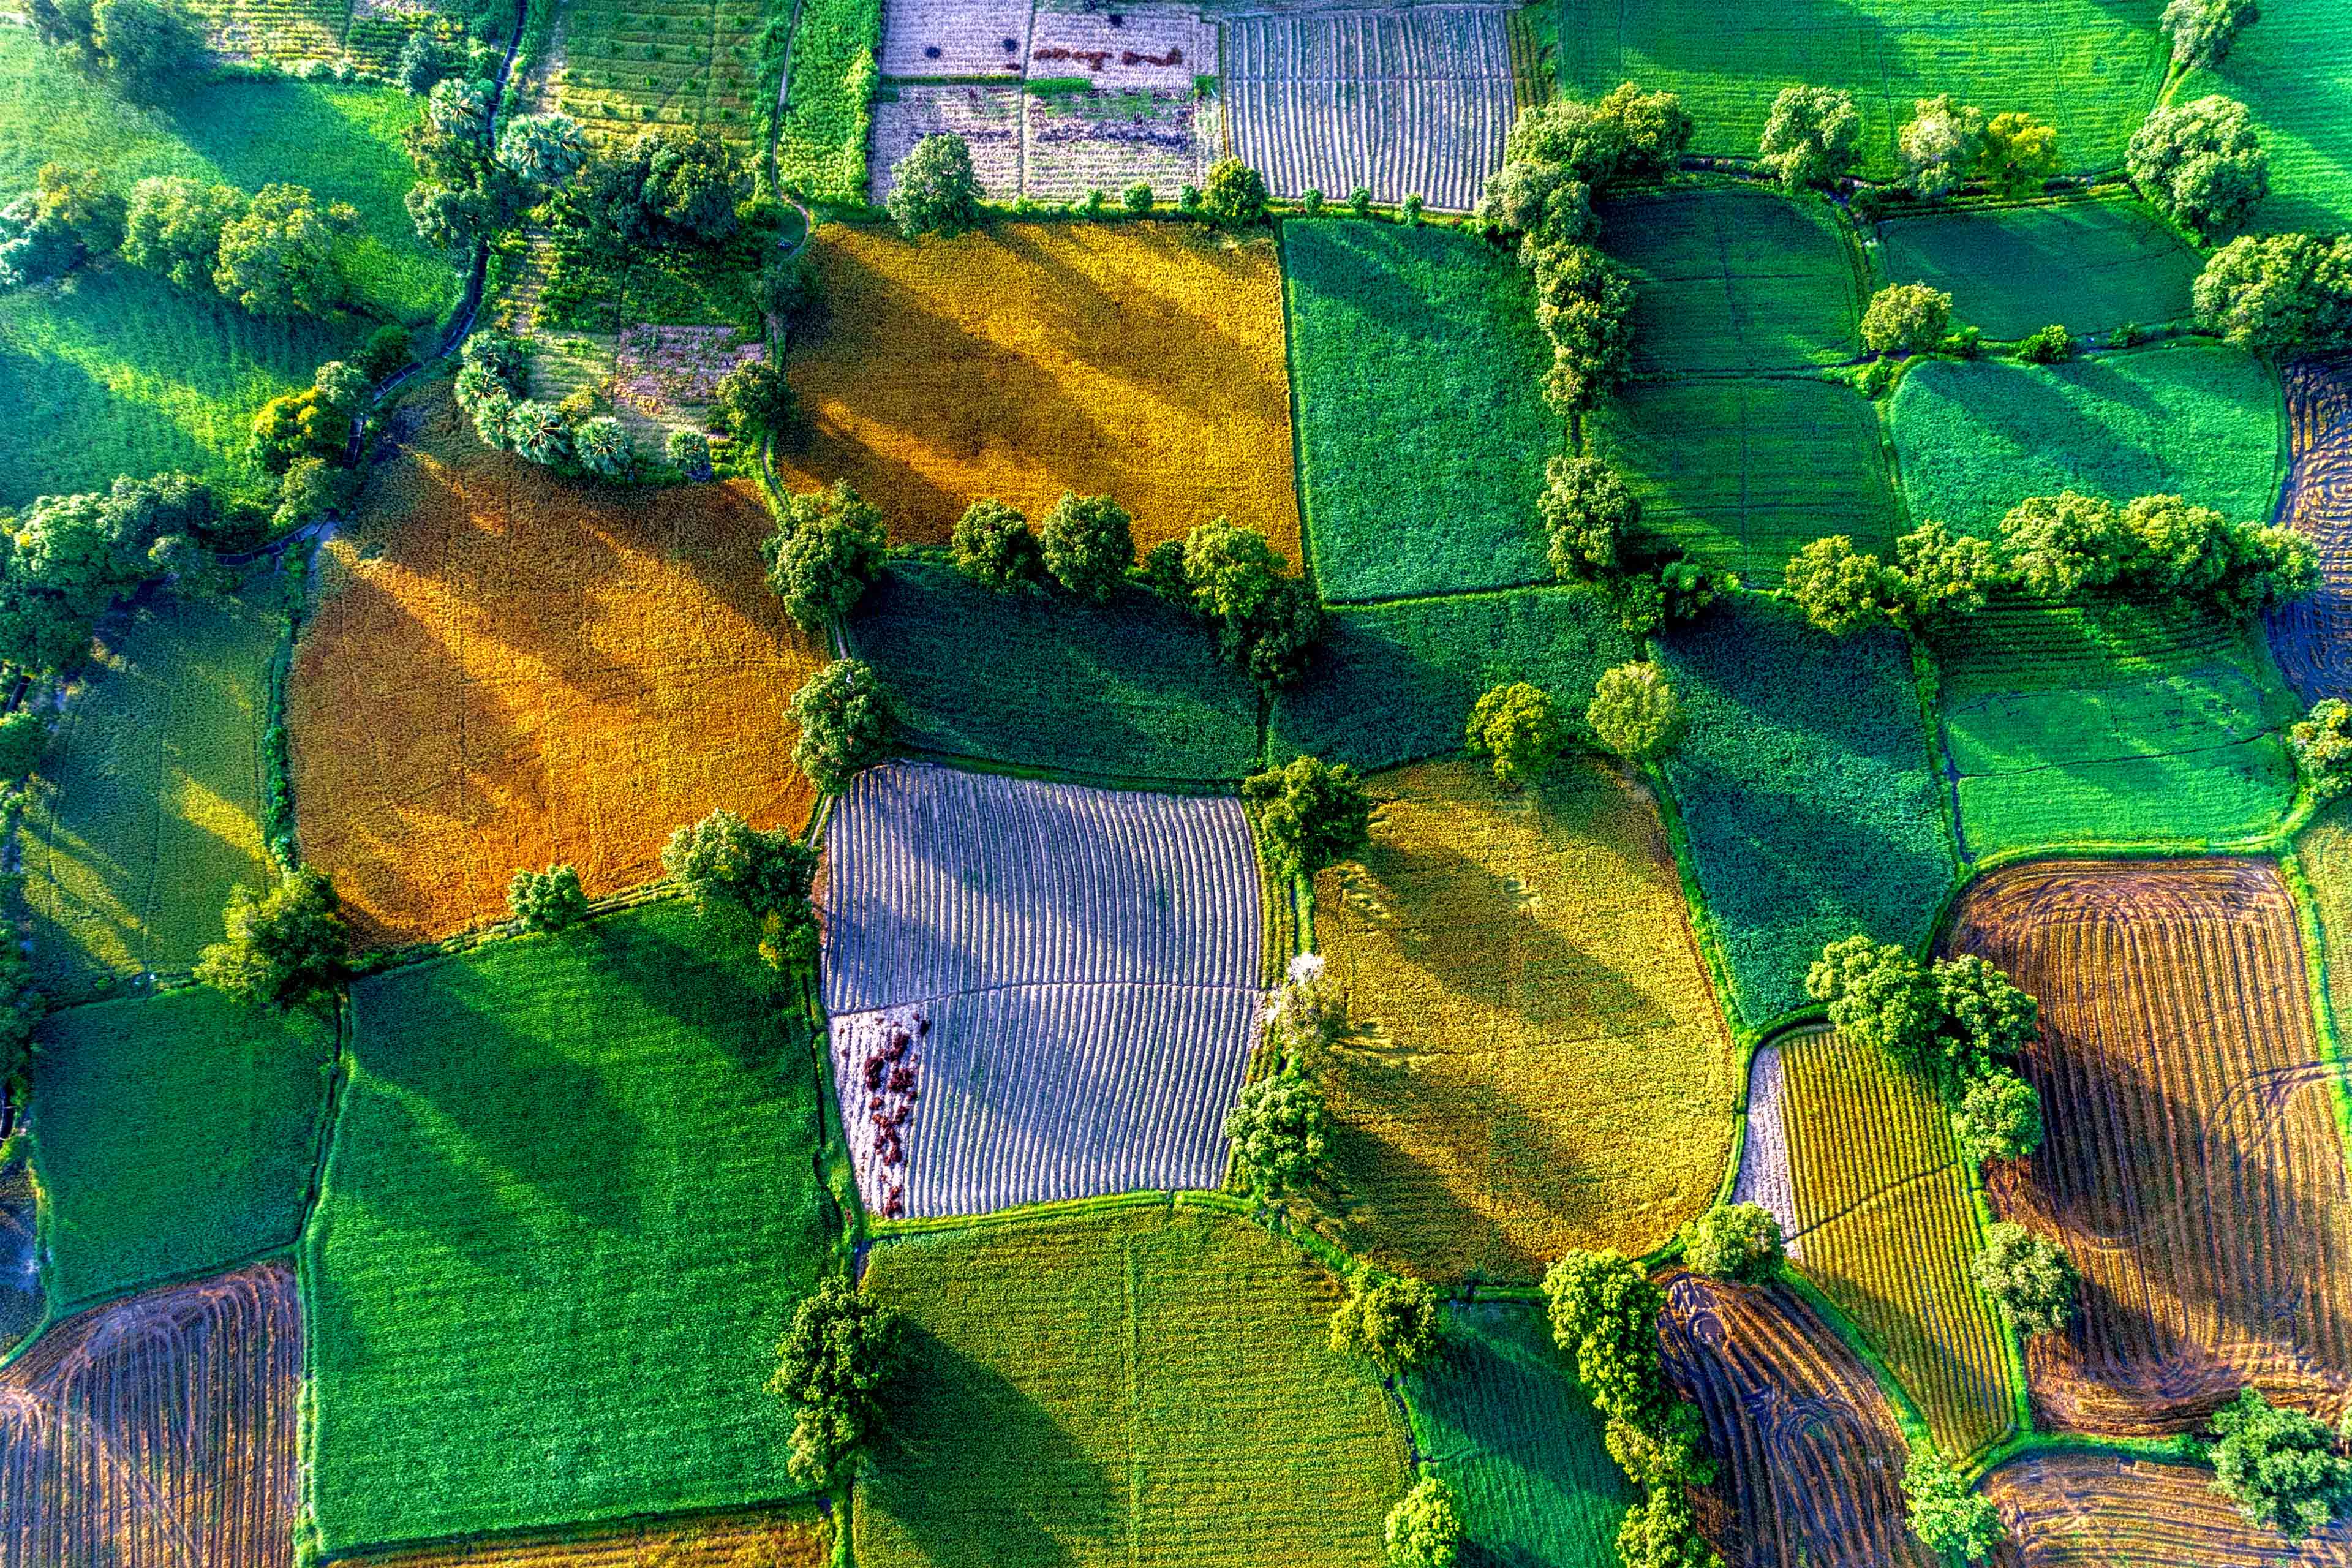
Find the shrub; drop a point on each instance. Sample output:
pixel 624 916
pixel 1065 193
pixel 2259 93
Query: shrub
pixel 2000 1117
pixel 1811 136
pixel 993 547
pixel 1943 1514
pixel 1088 543
pixel 1635 712
pixel 2322 744
pixel 934 190
pixel 1906 318
pixel 756 402
pixel 1841 590
pixel 2029 1276
pixel 844 714
pixel 2279 294
pixel 1518 727
pixel 1136 198
pixel 283 948
pixel 1310 814
pixel 1589 514
pixel 1940 145
pixel 22 738
pixel 1276 1129
pixel 2279 1466
pixel 1424 1529
pixel 2020 154
pixel 2200 162
pixel 2054 344
pixel 1392 1324
pixel 1734 1241
pixel 549 901
pixel 2203 30
pixel 1235 193
pixel 842 1348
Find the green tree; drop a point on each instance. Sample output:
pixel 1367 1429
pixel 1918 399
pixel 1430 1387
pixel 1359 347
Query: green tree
pixel 1234 193
pixel 283 948
pixel 1998 1117
pixel 1424 1529
pixel 2200 162
pixel 1276 1129
pixel 1635 712
pixel 2029 1276
pixel 549 901
pixel 1392 1323
pixel 2020 154
pixel 1589 513
pixel 1812 137
pixel 1943 1514
pixel 2279 294
pixel 279 257
pixel 826 548
pixel 1734 1241
pixel 993 547
pixel 840 1353
pixel 1088 543
pixel 151 49
pixel 1841 590
pixel 1517 726
pixel 933 189
pixel 2203 30
pixel 1906 318
pixel 2279 1466
pixel 2322 743
pixel 756 402
pixel 844 714
pixel 1940 145
pixel 1310 814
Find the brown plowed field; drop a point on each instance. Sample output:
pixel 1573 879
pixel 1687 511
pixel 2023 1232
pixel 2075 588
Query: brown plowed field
pixel 1810 1457
pixel 2097 1510
pixel 158 1432
pixel 798 1539
pixel 505 669
pixel 2193 1166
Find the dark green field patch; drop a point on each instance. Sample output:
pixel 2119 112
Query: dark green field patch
pixel 1735 278
pixel 1422 433
pixel 2091 266
pixel 1744 473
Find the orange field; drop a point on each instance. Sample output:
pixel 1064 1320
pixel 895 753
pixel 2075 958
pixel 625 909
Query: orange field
pixel 799 1539
pixel 158 1432
pixel 2098 1510
pixel 2192 1165
pixel 1140 361
pixel 506 669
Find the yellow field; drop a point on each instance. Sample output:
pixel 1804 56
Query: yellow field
pixel 1546 1066
pixel 1140 361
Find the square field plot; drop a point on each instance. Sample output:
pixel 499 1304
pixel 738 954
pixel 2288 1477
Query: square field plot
pixel 2295 73
pixel 1038 991
pixel 510 669
pixel 1743 474
pixel 2115 724
pixel 1422 432
pixel 1401 102
pixel 1736 278
pixel 1143 360
pixel 2090 266
pixel 1151 1384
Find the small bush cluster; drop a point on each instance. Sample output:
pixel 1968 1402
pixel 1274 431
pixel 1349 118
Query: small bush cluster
pixel 493 390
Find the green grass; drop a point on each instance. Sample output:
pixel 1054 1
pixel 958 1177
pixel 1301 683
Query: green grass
pixel 821 143
pixel 1500 1417
pixel 2090 265
pixel 146 807
pixel 171 1137
pixel 2293 71
pixel 1394 683
pixel 572 1201
pixel 2194 419
pixel 1415 360
pixel 1805 786
pixel 2091 68
pixel 1744 473
pixel 1736 278
pixel 1143 1384
pixel 1133 689
pixel 2119 723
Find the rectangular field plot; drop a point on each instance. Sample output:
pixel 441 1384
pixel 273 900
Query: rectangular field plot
pixel 1143 360
pixel 508 668
pixel 2192 1164
pixel 1888 1231
pixel 1808 1457
pixel 629 65
pixel 1499 1416
pixel 2091 266
pixel 1038 991
pixel 147 805
pixel 1744 473
pixel 1544 1065
pixel 2313 638
pixel 158 1432
pixel 1806 792
pixel 573 1200
pixel 2295 72
pixel 1156 1387
pixel 2116 723
pixel 1736 278
pixel 172 1136
pixel 2090 69
pixel 2105 1510
pixel 1403 103
pixel 1421 434
pixel 2200 420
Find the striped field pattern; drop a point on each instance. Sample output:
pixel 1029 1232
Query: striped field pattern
pixel 1412 102
pixel 1074 972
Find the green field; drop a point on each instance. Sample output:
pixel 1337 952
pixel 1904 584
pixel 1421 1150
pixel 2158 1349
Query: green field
pixel 1736 278
pixel 171 1137
pixel 1744 473
pixel 2090 265
pixel 1805 786
pixel 2194 419
pixel 1415 360
pixel 572 1202
pixel 1394 683
pixel 2091 69
pixel 2119 723
pixel 2293 69
pixel 146 808
pixel 1133 689
pixel 1146 1384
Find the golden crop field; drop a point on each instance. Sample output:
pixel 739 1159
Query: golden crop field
pixel 506 669
pixel 1545 1065
pixel 1143 361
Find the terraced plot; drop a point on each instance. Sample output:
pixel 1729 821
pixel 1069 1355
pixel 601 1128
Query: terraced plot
pixel 2192 1166
pixel 2295 72
pixel 1888 1230
pixel 1545 1066
pixel 795 1538
pixel 2313 638
pixel 1809 1458
pixel 1736 278
pixel 1038 991
pixel 1156 1386
pixel 2101 1510
pixel 630 65
pixel 2121 724
pixel 158 1432
pixel 2089 266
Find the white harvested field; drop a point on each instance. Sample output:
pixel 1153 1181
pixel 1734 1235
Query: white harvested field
pixel 988 118
pixel 1038 991
pixel 1411 102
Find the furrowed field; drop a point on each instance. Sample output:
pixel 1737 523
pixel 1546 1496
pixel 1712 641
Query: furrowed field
pixel 2089 266
pixel 1545 1066
pixel 2101 1510
pixel 1156 1388
pixel 1140 361
pixel 2312 640
pixel 2295 73
pixel 1735 278
pixel 490 1281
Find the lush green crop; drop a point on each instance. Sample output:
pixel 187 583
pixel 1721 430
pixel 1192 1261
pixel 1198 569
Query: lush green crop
pixel 821 144
pixel 1422 432
pixel 572 1202
pixel 171 1137
pixel 1736 278
pixel 2091 266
